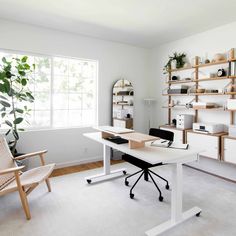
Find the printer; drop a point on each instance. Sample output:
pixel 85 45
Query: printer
pixel 211 128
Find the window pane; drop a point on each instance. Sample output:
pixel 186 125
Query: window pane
pixel 60 66
pixel 75 117
pixel 60 118
pixel 88 117
pixel 41 119
pixel 75 101
pixel 60 83
pixel 60 101
pixel 42 101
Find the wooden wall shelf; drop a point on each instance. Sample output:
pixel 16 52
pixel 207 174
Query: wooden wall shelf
pixel 201 80
pixel 201 94
pixel 212 64
pixel 197 80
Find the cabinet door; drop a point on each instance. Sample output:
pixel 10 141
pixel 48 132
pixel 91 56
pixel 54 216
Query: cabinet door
pixel 178 135
pixel 207 142
pixel 119 123
pixel 230 150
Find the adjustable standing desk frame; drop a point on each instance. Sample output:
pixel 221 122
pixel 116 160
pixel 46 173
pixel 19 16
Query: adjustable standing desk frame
pixel 153 155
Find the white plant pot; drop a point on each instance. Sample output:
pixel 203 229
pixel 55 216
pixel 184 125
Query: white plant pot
pixel 173 64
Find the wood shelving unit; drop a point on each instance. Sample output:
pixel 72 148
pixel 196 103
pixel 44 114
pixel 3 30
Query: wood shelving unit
pixel 196 81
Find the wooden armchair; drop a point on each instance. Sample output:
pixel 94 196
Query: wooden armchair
pixel 13 179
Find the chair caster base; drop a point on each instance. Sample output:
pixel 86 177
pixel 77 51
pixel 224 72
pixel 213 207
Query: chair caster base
pixel 161 198
pixel 126 183
pixel 198 214
pixel 167 186
pixel 89 181
pixel 124 172
pixel 131 195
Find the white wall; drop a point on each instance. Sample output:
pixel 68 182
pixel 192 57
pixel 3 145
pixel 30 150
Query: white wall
pixel 115 60
pixel 208 43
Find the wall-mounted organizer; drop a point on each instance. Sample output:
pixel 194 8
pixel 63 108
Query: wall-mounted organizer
pixel 193 91
pixel 123 104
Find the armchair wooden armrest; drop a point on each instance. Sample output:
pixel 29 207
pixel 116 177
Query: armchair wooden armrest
pixel 10 170
pixel 32 154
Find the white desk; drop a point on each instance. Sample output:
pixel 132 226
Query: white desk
pixel 153 155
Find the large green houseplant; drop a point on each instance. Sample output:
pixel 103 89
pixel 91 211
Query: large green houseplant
pixel 15 96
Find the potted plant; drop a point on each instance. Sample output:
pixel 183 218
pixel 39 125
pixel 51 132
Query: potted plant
pixel 15 96
pixel 178 58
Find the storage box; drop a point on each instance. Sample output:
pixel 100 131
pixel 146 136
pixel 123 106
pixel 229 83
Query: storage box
pixel 184 121
pixel 231 104
pixel 121 114
pixel 177 91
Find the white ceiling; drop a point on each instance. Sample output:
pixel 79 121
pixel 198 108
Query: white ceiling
pixel 143 23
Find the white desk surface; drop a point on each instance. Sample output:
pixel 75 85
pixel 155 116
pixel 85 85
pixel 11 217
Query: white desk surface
pixel 151 154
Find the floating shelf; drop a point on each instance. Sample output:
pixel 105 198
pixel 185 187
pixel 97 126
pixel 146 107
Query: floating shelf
pixel 196 109
pixel 180 69
pixel 200 94
pixel 200 80
pixel 211 64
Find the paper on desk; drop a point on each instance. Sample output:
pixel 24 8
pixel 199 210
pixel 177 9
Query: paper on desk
pixel 166 144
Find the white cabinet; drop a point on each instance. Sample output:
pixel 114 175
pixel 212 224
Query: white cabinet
pixel 229 149
pixel 178 133
pixel 210 143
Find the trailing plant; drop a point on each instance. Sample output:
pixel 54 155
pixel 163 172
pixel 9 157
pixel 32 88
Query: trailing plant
pixel 15 96
pixel 178 57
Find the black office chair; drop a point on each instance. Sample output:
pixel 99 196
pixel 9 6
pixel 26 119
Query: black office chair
pixel 145 166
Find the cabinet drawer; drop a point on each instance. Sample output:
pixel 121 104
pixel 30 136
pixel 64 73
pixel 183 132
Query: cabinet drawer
pixel 207 142
pixel 178 135
pixel 229 150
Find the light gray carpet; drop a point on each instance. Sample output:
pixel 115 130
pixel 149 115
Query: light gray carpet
pixel 105 209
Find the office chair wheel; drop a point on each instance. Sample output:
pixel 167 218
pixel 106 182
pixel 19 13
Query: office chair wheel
pixel 124 172
pixel 161 198
pixel 131 195
pixel 198 214
pixel 89 181
pixel 127 183
pixel 167 186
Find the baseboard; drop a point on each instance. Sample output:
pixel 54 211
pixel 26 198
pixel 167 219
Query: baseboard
pixel 79 162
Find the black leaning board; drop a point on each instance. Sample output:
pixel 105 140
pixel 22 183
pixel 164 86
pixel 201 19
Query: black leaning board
pixel 117 140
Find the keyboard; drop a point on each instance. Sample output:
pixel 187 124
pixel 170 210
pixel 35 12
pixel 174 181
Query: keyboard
pixel 117 140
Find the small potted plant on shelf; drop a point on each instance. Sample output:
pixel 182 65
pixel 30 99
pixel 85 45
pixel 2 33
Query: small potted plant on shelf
pixel 15 96
pixel 175 61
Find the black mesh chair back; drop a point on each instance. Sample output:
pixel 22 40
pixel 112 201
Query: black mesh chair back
pixel 163 134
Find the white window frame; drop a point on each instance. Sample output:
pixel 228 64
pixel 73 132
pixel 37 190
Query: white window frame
pixel 51 127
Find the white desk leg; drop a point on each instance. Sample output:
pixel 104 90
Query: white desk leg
pixel 177 216
pixel 107 173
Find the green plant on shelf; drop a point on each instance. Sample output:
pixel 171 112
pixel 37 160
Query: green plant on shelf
pixel 178 58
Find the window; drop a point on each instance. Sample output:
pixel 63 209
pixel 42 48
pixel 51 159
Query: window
pixel 65 91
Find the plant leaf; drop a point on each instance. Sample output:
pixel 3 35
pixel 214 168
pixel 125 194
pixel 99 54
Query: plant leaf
pixel 21 129
pixel 24 59
pixel 18 120
pixel 4 103
pixel 15 134
pixel 19 110
pixel 8 123
pixel 3 114
pixel 23 82
pixel 30 95
pixel 2 97
pixel 4 60
pixel 8 132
